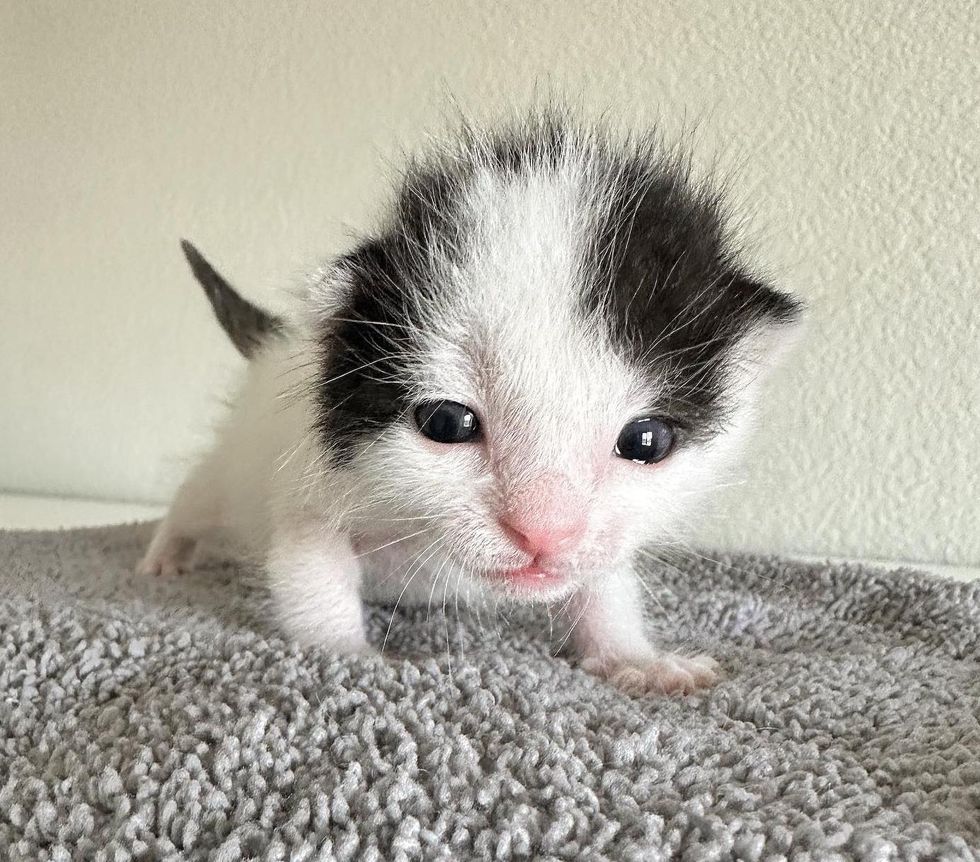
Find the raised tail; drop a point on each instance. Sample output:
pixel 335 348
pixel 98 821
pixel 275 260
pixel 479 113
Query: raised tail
pixel 247 325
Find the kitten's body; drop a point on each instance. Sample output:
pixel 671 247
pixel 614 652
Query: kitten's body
pixel 558 287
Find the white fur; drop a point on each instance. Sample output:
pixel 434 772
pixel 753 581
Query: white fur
pixel 408 517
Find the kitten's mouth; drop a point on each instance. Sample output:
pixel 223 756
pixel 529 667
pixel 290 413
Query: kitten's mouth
pixel 531 577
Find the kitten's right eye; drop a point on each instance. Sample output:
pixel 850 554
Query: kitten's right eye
pixel 447 422
pixel 646 440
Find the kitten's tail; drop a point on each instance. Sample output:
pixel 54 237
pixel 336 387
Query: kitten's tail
pixel 247 325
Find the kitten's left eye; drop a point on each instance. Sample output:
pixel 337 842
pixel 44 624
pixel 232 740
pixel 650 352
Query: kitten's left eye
pixel 645 441
pixel 447 421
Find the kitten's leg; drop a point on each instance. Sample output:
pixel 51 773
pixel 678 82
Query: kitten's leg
pixel 608 636
pixel 194 513
pixel 315 580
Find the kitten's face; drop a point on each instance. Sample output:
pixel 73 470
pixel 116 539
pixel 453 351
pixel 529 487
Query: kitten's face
pixel 551 462
pixel 553 360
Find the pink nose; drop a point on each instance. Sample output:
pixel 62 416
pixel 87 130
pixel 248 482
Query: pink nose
pixel 542 539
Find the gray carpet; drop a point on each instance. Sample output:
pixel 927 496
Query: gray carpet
pixel 163 721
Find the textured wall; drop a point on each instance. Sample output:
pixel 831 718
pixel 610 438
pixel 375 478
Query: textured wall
pixel 266 136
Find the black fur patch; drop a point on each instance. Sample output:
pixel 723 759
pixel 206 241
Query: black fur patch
pixel 670 288
pixel 368 349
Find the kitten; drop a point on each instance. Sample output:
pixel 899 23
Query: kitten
pixel 533 369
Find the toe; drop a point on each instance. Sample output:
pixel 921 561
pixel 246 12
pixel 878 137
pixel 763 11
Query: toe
pixel 659 673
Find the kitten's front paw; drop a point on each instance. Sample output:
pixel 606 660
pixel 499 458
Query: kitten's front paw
pixel 169 558
pixel 167 567
pixel 660 673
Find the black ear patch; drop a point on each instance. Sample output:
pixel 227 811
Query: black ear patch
pixel 366 353
pixel 670 290
pixel 247 325
pixel 757 302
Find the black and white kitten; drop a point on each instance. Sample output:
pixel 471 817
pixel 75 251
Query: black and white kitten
pixel 534 368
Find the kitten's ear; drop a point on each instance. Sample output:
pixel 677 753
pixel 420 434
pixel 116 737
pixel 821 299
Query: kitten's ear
pixel 768 320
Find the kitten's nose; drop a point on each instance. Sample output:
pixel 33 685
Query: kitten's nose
pixel 545 515
pixel 543 538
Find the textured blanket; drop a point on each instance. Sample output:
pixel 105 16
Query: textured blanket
pixel 164 720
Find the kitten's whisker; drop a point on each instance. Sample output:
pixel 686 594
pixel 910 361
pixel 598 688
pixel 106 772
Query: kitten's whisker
pixel 394 542
pixel 408 582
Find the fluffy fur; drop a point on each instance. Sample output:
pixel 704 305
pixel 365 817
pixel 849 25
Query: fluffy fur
pixel 560 285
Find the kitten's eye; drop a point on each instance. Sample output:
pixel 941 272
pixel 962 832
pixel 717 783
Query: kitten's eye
pixel 645 441
pixel 447 422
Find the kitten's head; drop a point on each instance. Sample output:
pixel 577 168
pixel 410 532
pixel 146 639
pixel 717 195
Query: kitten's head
pixel 545 357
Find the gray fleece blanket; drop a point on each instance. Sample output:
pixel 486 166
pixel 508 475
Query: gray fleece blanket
pixel 165 720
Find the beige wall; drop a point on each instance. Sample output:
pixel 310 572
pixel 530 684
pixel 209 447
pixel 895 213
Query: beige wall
pixel 263 134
